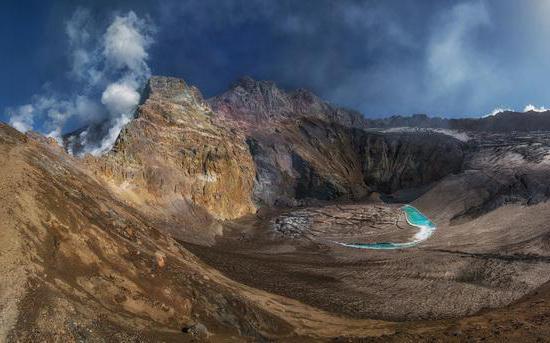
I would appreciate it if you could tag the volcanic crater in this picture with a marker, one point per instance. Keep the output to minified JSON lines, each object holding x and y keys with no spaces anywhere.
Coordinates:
{"x":231,"y":219}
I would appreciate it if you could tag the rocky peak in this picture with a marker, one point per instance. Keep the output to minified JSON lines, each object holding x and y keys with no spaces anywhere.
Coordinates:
{"x":252,"y":85}
{"x":250,"y":101}
{"x":174,"y":152}
{"x":306,"y":95}
{"x":171,"y":89}
{"x":306,"y":102}
{"x":253,"y":101}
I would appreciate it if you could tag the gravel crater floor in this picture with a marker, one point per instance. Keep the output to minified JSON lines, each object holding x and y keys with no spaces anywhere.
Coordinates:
{"x":451,"y":275}
{"x":344,"y":223}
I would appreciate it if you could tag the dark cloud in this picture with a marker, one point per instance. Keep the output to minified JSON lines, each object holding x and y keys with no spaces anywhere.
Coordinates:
{"x":451,"y":58}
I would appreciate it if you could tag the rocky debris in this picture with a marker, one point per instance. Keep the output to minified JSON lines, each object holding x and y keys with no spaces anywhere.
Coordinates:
{"x":291,"y":226}
{"x":503,"y":169}
{"x":487,"y":148}
{"x":345,"y":223}
{"x":197,"y":329}
{"x":79,"y":259}
{"x":160,"y":259}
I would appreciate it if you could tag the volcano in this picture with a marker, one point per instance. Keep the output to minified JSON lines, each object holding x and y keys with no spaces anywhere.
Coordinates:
{"x":241,"y":218}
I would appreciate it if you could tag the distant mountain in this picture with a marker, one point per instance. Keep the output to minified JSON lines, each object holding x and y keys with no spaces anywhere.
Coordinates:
{"x":306,"y":149}
{"x":506,"y":121}
{"x":250,"y":102}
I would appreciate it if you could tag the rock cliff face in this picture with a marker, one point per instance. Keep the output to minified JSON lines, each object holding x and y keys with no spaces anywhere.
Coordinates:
{"x":252,"y":102}
{"x":392,"y":162}
{"x":258,"y":145}
{"x":175,"y":153}
{"x":305,"y":148}
{"x":305,"y":159}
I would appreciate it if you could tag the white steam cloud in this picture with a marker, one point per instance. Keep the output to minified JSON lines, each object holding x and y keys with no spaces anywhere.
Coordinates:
{"x":528,"y":108}
{"x":22,"y":118}
{"x":496,"y":111}
{"x":126,"y":41}
{"x":109,"y":67}
{"x":533,"y":108}
{"x":120,"y":98}
{"x":55,"y":111}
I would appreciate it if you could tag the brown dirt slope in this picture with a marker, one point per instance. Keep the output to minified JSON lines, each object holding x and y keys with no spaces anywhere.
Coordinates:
{"x":80,"y":264}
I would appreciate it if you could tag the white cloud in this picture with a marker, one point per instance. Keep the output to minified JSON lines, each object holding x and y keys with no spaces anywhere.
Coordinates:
{"x":84,"y":54}
{"x":124,"y":49}
{"x":126,"y":41}
{"x":452,"y":61}
{"x":497,"y":111}
{"x":22,"y":117}
{"x":533,"y":108}
{"x":77,"y":28}
{"x":109,"y":139}
{"x":364,"y":17}
{"x":87,"y":109}
{"x":58,"y":110}
{"x":528,"y":108}
{"x":120,"y":98}
{"x":111,"y":62}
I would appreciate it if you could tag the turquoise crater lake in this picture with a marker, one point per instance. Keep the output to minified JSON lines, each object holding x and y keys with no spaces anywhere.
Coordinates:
{"x":415,"y":218}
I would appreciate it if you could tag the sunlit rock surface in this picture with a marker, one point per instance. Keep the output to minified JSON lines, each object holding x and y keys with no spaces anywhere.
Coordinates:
{"x":175,"y":156}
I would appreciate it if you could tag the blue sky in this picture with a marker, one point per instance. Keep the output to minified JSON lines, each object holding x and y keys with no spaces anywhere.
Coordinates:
{"x":449,"y":58}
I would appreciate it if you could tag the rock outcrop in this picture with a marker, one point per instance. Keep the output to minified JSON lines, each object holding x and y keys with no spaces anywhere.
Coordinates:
{"x":306,"y":149}
{"x":393,"y":162}
{"x":173,"y":152}
{"x":258,"y":145}
{"x":305,"y":159}
{"x":252,"y":103}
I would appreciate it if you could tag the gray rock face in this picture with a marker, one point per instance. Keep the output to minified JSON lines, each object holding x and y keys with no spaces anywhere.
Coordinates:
{"x":255,"y":102}
{"x":506,"y":169}
{"x":393,"y":162}
{"x":305,"y":149}
{"x":197,"y":329}
{"x":293,"y":225}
